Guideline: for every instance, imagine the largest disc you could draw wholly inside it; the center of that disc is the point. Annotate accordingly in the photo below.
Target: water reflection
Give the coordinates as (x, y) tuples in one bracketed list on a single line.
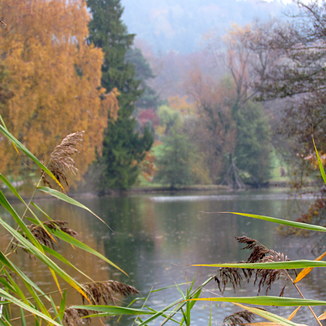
[(156, 239)]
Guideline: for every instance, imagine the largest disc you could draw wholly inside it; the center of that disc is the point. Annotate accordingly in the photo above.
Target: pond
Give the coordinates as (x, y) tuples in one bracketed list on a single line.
[(156, 238)]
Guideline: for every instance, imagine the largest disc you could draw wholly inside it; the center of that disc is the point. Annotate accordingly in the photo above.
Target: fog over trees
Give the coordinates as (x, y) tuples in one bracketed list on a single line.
[(184, 26)]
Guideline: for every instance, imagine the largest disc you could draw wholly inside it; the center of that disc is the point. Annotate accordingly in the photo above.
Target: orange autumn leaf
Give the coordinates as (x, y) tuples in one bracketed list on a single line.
[(322, 316), (307, 270)]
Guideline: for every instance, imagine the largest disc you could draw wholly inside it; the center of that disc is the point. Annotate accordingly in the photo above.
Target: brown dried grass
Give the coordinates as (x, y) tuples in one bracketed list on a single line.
[(61, 162), (74, 317), (99, 293), (107, 292), (239, 318), (265, 278), (44, 237)]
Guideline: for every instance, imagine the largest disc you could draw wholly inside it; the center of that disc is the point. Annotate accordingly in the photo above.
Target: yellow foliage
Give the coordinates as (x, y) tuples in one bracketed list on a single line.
[(182, 104), (54, 77)]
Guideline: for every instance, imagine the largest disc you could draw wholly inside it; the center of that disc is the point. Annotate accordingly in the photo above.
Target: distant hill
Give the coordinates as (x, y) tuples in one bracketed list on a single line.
[(181, 25)]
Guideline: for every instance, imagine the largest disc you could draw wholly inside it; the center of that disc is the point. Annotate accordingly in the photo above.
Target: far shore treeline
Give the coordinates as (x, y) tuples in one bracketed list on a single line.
[(241, 111)]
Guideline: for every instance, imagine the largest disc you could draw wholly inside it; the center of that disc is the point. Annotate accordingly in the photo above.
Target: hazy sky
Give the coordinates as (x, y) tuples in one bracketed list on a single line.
[(180, 25)]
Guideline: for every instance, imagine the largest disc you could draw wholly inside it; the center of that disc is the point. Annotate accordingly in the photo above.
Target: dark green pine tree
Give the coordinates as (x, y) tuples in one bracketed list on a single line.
[(124, 146), (149, 97)]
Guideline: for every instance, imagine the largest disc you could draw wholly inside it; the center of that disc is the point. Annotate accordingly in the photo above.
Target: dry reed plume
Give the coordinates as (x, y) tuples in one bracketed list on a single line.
[(44, 237), (74, 317), (99, 293), (61, 159), (263, 277), (239, 318), (107, 292)]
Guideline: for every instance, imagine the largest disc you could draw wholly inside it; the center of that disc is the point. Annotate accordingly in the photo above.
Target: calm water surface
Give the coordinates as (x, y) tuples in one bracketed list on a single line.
[(156, 238)]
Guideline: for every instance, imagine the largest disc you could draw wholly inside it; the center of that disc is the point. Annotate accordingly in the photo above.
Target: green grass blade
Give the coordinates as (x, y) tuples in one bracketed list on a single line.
[(17, 195), (20, 146), (300, 225), (13, 288), (114, 310), (5, 127), (23, 319), (75, 242), (63, 305), (320, 163), (6, 262), (41, 210), (170, 287), (38, 301), (69, 200), (6, 205), (266, 301), (26, 307), (293, 264), (191, 304)]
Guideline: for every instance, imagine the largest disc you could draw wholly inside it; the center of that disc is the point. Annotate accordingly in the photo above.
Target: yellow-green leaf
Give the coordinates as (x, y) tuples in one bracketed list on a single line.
[(269, 316), (265, 301), (299, 225), (69, 200), (26, 307), (75, 242), (320, 163), (292, 264)]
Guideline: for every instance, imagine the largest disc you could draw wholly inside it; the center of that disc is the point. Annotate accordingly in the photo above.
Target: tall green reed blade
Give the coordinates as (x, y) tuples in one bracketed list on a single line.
[(43, 258), (12, 287), (75, 242), (62, 307), (177, 304), (22, 318), (4, 125), (9, 208), (190, 305), (27, 206), (294, 264), (300, 225), (65, 261), (266, 301), (63, 197), (102, 311), (12, 268), (20, 146)]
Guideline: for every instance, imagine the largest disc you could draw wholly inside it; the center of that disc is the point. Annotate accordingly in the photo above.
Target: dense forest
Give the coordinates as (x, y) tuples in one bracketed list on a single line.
[(234, 112)]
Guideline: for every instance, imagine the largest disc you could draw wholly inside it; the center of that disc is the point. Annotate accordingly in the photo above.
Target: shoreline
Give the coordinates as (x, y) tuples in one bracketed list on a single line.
[(160, 189)]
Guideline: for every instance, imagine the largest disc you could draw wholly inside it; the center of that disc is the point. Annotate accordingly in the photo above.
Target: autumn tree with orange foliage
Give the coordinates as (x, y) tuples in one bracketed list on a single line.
[(50, 79)]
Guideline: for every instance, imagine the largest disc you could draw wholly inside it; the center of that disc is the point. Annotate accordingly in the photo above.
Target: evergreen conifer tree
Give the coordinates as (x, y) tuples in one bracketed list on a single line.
[(124, 146)]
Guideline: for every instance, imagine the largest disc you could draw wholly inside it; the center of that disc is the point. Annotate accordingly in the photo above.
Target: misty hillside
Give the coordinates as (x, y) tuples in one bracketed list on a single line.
[(183, 25)]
